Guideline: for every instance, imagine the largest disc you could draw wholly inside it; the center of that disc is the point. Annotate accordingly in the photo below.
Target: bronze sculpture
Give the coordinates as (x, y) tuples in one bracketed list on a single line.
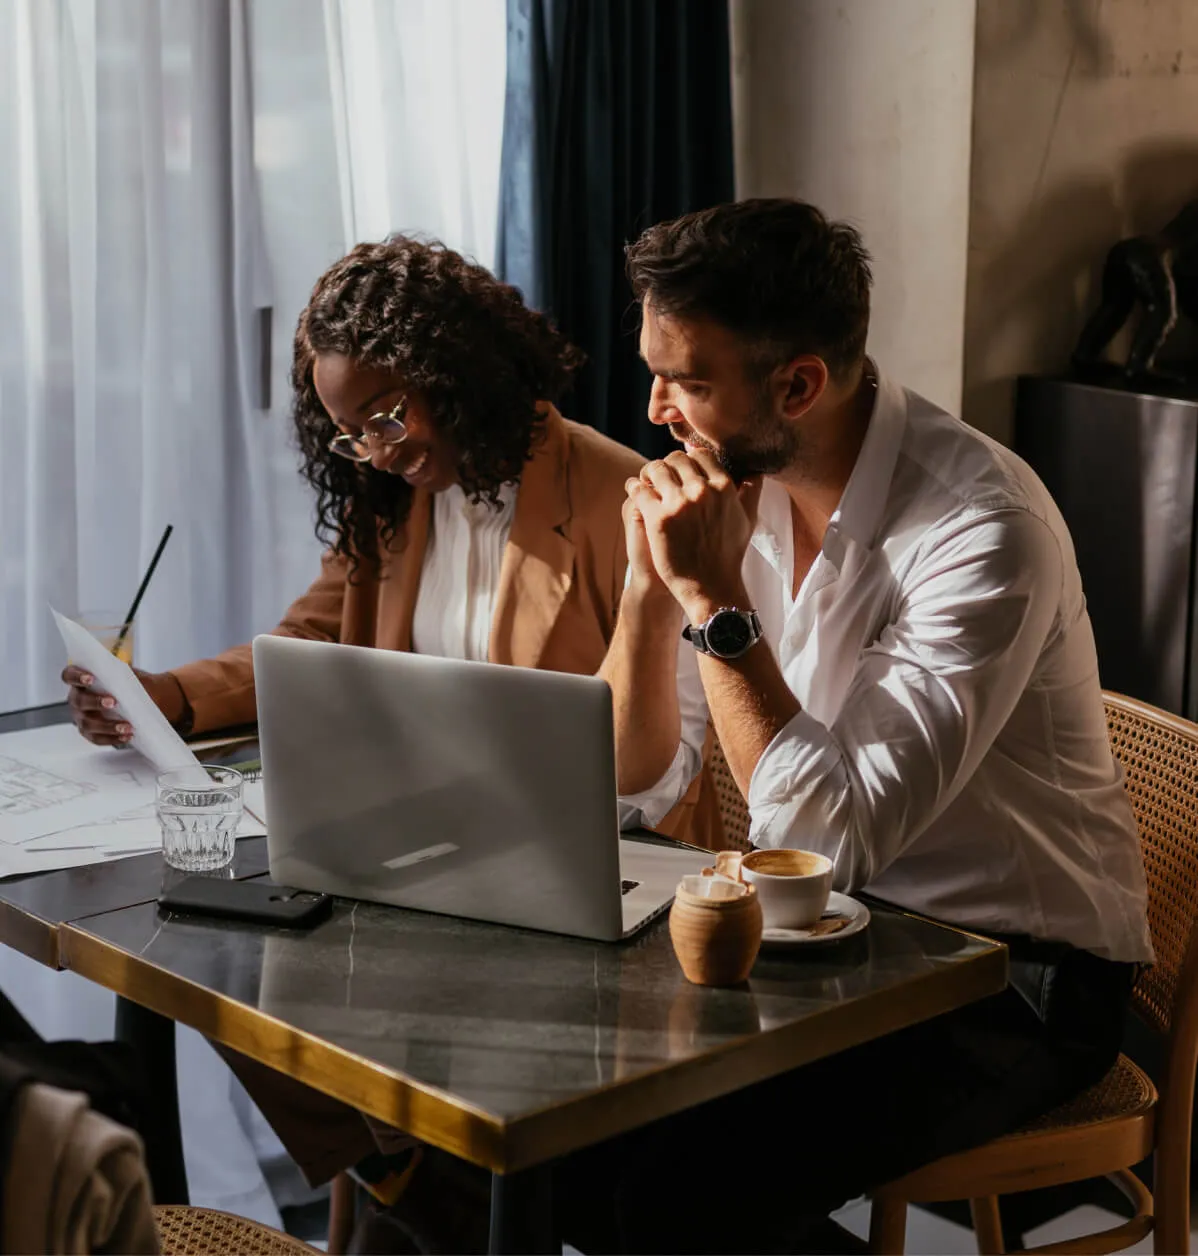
[(1158, 271)]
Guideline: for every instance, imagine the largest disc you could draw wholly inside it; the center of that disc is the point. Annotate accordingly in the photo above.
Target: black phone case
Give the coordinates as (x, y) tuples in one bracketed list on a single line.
[(261, 901)]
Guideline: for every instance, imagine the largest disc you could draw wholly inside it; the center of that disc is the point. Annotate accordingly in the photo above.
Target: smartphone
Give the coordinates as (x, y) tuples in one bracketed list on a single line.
[(259, 900)]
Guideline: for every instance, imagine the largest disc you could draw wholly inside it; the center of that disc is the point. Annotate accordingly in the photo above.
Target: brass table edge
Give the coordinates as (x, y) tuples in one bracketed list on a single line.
[(30, 934), (424, 1111)]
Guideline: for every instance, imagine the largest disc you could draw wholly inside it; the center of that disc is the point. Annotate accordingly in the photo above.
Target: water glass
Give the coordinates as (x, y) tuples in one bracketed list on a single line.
[(199, 810)]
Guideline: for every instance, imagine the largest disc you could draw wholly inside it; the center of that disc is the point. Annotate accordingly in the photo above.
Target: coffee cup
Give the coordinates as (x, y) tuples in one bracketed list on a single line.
[(792, 885)]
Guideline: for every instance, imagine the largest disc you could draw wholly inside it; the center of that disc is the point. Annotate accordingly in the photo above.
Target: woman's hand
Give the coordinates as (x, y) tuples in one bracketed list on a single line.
[(93, 711)]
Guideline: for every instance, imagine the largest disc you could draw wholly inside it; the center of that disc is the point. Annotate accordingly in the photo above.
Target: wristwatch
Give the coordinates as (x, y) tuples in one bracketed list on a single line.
[(728, 634)]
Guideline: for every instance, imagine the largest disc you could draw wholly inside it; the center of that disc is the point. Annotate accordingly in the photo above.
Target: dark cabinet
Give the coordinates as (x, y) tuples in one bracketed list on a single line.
[(1122, 467)]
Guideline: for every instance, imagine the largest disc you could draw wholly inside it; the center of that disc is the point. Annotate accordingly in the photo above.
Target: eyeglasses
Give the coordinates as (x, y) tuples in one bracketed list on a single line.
[(381, 429)]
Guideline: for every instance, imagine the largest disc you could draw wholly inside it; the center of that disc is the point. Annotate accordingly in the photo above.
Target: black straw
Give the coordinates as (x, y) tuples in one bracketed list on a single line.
[(145, 580)]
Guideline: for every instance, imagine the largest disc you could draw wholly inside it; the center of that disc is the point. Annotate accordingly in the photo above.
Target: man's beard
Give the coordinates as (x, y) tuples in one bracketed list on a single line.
[(766, 446)]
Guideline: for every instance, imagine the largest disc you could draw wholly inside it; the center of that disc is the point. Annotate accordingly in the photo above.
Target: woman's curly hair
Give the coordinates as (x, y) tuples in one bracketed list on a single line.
[(455, 335)]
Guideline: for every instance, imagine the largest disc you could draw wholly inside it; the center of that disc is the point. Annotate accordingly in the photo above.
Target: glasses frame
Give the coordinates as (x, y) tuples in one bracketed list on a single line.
[(351, 445)]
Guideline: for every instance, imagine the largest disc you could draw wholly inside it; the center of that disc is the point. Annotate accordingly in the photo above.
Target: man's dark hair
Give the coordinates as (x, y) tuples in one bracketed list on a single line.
[(453, 333), (775, 272)]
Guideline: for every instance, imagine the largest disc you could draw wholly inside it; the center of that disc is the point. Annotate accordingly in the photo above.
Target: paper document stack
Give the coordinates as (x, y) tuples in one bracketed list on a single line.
[(65, 802)]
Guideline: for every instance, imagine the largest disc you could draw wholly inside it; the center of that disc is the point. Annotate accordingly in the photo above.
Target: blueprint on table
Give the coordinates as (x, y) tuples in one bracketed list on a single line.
[(65, 802), (51, 779)]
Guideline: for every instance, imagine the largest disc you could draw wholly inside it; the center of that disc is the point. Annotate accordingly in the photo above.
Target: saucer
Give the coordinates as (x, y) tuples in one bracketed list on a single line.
[(838, 905)]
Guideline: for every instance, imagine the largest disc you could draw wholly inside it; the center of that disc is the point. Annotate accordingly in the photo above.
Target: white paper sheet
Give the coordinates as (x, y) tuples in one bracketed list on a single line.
[(134, 833), (52, 781), (153, 736), (254, 796), (65, 802)]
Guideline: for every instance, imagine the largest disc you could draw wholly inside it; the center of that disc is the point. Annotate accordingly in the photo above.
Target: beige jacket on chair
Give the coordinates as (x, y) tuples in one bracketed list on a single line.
[(75, 1181)]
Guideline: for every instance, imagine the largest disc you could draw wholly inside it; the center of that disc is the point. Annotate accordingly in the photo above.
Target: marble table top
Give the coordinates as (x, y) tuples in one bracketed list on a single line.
[(509, 1047)]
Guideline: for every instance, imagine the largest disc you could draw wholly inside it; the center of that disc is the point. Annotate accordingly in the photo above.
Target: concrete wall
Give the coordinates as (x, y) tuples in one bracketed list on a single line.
[(863, 108), (1085, 130)]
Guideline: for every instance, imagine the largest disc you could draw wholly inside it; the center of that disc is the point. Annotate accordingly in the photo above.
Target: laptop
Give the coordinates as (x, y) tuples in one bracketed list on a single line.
[(469, 789)]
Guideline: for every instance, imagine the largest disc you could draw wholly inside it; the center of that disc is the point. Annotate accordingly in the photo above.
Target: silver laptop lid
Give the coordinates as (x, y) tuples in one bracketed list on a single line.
[(467, 788)]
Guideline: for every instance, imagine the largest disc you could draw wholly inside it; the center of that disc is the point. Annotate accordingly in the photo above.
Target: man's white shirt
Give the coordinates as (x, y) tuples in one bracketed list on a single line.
[(951, 753)]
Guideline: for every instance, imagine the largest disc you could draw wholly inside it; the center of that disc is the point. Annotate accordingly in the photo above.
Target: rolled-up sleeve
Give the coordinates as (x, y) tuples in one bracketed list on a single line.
[(650, 806), (925, 703)]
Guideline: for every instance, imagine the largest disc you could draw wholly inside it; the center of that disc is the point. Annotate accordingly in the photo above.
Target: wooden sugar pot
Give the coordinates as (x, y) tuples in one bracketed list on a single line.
[(715, 926)]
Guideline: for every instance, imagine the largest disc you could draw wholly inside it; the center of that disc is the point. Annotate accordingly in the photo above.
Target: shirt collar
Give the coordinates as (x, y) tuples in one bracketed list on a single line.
[(863, 502), (773, 531), (453, 501)]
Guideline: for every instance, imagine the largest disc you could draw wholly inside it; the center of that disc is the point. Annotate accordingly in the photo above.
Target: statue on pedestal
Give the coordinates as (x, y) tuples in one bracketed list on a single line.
[(1160, 272)]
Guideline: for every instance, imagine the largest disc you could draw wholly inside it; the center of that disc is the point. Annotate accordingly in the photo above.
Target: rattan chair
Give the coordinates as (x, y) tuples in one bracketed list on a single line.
[(734, 811), (1121, 1120), (206, 1232)]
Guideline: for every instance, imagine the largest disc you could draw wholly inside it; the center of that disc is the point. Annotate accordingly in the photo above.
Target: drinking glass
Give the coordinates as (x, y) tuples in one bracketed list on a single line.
[(106, 627), (199, 809)]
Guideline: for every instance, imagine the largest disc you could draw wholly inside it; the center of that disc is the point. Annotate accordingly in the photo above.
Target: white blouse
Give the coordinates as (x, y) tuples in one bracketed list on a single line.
[(460, 578)]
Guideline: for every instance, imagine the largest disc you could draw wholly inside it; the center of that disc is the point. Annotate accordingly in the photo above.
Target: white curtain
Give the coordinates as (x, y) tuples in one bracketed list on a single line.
[(174, 174), (418, 90), (131, 327), (134, 291)]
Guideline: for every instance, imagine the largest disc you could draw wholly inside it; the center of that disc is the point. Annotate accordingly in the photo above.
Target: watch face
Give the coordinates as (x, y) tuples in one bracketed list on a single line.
[(729, 634)]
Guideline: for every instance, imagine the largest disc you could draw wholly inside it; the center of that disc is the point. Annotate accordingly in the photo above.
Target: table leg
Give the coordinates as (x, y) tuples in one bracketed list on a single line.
[(522, 1213), (153, 1038)]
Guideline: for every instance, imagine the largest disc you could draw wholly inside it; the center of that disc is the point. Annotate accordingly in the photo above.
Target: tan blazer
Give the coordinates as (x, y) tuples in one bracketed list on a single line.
[(559, 589)]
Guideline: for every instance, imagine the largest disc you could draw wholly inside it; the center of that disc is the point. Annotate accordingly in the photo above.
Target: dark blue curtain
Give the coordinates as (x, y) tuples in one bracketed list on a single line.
[(618, 115)]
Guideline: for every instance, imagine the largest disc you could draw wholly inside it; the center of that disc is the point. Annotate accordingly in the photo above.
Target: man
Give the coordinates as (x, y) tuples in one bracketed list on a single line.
[(885, 621)]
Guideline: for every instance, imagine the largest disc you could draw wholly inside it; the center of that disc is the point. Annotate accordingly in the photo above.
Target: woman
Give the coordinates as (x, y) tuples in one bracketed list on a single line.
[(464, 517)]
